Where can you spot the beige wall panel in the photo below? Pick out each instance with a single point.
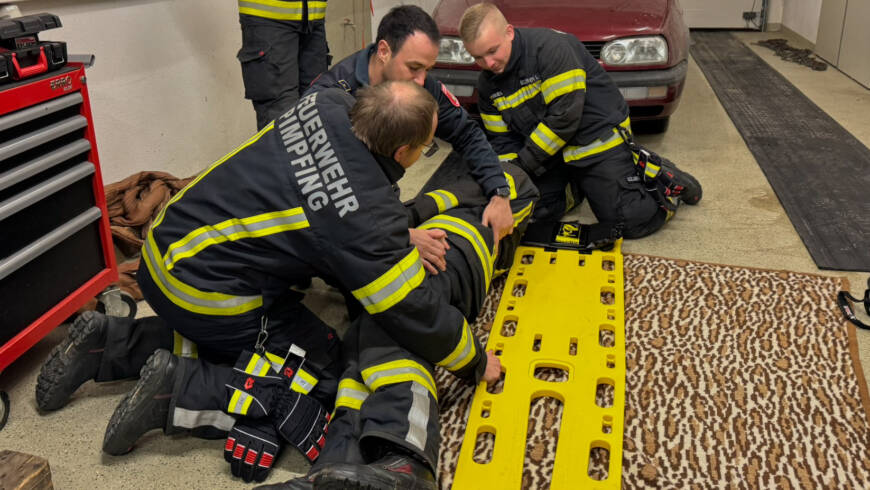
(854, 57)
(830, 33)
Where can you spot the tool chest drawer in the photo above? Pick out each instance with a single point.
(55, 245)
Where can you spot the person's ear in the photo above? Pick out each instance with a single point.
(509, 32)
(401, 155)
(384, 51)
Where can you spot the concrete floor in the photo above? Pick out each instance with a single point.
(739, 222)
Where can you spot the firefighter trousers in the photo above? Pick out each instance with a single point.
(388, 394)
(210, 345)
(280, 59)
(615, 192)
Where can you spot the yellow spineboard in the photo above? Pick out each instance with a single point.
(562, 304)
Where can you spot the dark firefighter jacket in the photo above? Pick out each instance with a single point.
(304, 197)
(553, 103)
(299, 10)
(454, 125)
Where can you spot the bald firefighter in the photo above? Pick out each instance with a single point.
(313, 193)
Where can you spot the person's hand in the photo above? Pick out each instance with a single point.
(432, 245)
(499, 217)
(493, 368)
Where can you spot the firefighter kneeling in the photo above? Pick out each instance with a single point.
(310, 195)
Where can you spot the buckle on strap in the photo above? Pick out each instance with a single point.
(844, 301)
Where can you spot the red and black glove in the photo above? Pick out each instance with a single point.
(251, 449)
(301, 421)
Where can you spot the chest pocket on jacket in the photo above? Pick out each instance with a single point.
(524, 116)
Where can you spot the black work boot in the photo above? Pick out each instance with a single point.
(72, 362)
(146, 407)
(686, 187)
(301, 483)
(390, 472)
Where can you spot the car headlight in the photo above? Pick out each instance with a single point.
(636, 51)
(451, 50)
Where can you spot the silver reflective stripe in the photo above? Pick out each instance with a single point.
(304, 386)
(161, 274)
(573, 151)
(570, 81)
(418, 417)
(345, 392)
(258, 367)
(549, 144)
(518, 97)
(269, 8)
(469, 345)
(228, 232)
(240, 402)
(473, 236)
(191, 419)
(375, 376)
(393, 287)
(187, 347)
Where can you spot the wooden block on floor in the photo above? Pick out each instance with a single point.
(19, 471)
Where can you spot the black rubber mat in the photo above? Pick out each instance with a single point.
(819, 171)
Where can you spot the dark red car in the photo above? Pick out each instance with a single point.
(643, 45)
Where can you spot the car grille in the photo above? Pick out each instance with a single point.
(594, 48)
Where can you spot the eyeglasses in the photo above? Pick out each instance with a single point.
(431, 147)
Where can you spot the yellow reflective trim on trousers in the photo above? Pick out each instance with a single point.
(392, 286)
(398, 371)
(463, 353)
(518, 97)
(351, 394)
(183, 347)
(523, 213)
(494, 123)
(232, 230)
(470, 233)
(563, 83)
(511, 184)
(504, 157)
(546, 139)
(280, 10)
(573, 153)
(443, 199)
(188, 297)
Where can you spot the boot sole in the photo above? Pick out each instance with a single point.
(50, 394)
(132, 410)
(362, 477)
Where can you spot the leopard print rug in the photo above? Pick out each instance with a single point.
(736, 378)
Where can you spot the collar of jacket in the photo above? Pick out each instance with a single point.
(391, 168)
(361, 69)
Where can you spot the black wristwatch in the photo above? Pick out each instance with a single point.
(503, 191)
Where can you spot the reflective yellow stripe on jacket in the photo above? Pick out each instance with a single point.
(392, 286)
(463, 353)
(506, 157)
(443, 199)
(280, 10)
(518, 97)
(494, 123)
(234, 229)
(563, 83)
(546, 139)
(573, 153)
(471, 234)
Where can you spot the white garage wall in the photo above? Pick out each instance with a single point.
(166, 89)
(802, 17)
(381, 7)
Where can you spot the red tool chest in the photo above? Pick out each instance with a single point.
(56, 248)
